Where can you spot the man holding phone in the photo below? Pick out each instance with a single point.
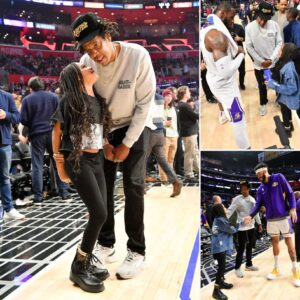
(263, 42)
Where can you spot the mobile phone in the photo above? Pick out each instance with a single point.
(267, 74)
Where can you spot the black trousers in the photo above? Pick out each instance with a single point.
(286, 115)
(206, 89)
(179, 158)
(221, 258)
(242, 72)
(297, 240)
(134, 168)
(259, 74)
(91, 187)
(246, 239)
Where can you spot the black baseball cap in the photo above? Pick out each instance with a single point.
(265, 11)
(86, 27)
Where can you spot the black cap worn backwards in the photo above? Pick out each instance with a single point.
(265, 11)
(85, 28)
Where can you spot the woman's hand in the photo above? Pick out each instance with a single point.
(62, 173)
(109, 152)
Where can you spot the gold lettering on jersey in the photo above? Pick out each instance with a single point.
(274, 184)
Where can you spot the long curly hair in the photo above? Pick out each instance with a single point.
(78, 110)
(289, 52)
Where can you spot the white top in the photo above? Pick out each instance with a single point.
(263, 43)
(128, 84)
(171, 131)
(96, 139)
(243, 207)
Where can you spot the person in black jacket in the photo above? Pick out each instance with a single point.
(36, 110)
(189, 128)
(238, 34)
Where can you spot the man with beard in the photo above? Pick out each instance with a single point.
(223, 58)
(277, 196)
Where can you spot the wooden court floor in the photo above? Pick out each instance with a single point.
(254, 285)
(261, 130)
(171, 226)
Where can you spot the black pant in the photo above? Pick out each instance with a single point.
(134, 168)
(91, 187)
(206, 89)
(297, 240)
(221, 258)
(286, 115)
(242, 72)
(259, 74)
(246, 240)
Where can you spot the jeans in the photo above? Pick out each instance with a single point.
(221, 258)
(170, 151)
(134, 169)
(156, 146)
(91, 187)
(246, 240)
(40, 143)
(259, 74)
(5, 187)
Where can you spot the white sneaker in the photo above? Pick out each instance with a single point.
(105, 254)
(262, 110)
(296, 277)
(13, 214)
(239, 273)
(132, 265)
(274, 274)
(20, 202)
(222, 117)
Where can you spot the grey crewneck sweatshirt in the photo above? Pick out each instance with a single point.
(263, 43)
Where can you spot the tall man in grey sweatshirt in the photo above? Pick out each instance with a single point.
(263, 41)
(127, 82)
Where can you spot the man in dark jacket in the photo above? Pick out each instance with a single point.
(292, 31)
(9, 115)
(189, 128)
(37, 109)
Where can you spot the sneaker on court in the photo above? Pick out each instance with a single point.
(222, 117)
(132, 265)
(262, 110)
(251, 268)
(239, 273)
(13, 214)
(105, 254)
(66, 198)
(273, 275)
(296, 277)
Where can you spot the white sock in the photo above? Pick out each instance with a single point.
(276, 265)
(240, 134)
(295, 265)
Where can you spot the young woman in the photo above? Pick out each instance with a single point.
(81, 123)
(171, 136)
(221, 242)
(286, 83)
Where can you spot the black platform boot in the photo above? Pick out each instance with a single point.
(82, 273)
(97, 268)
(217, 293)
(225, 285)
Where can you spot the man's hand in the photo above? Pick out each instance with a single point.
(267, 63)
(247, 220)
(121, 153)
(59, 158)
(109, 152)
(23, 139)
(202, 66)
(293, 215)
(238, 38)
(240, 50)
(2, 114)
(259, 228)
